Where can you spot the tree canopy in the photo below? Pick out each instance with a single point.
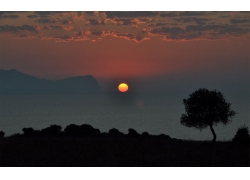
(206, 108)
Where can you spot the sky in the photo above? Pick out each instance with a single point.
(152, 51)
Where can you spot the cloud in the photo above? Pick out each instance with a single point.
(47, 13)
(130, 21)
(130, 14)
(30, 28)
(96, 33)
(79, 33)
(197, 32)
(45, 21)
(167, 30)
(129, 36)
(65, 21)
(168, 14)
(82, 38)
(65, 38)
(192, 19)
(219, 29)
(64, 27)
(158, 24)
(167, 25)
(89, 12)
(32, 16)
(95, 22)
(24, 36)
(192, 13)
(12, 16)
(237, 21)
(120, 21)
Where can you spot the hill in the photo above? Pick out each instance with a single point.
(16, 82)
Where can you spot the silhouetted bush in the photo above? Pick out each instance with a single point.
(15, 135)
(242, 136)
(133, 133)
(115, 132)
(71, 130)
(164, 136)
(88, 130)
(145, 134)
(83, 130)
(30, 132)
(2, 134)
(53, 130)
(104, 134)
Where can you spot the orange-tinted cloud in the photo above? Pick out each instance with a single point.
(129, 25)
(130, 14)
(25, 27)
(45, 21)
(12, 16)
(95, 22)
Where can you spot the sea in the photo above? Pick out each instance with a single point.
(152, 113)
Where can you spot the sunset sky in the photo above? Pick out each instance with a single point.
(151, 51)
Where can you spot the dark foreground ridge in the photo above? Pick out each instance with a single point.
(15, 82)
(85, 146)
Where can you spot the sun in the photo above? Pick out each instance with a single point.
(123, 87)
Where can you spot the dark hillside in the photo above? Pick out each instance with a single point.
(15, 82)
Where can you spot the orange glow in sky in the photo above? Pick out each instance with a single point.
(126, 46)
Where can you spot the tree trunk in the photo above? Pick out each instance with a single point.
(214, 139)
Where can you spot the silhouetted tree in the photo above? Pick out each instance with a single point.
(164, 136)
(206, 108)
(145, 134)
(83, 130)
(132, 133)
(115, 132)
(29, 132)
(71, 130)
(88, 130)
(2, 134)
(242, 136)
(53, 130)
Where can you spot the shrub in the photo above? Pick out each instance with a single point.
(115, 132)
(145, 134)
(2, 134)
(80, 131)
(242, 136)
(164, 136)
(29, 132)
(53, 130)
(132, 133)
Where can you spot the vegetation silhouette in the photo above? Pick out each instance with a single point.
(133, 133)
(30, 132)
(242, 137)
(81, 131)
(206, 108)
(53, 130)
(2, 134)
(145, 134)
(115, 132)
(83, 145)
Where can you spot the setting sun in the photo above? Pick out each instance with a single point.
(123, 87)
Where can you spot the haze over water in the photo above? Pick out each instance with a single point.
(154, 113)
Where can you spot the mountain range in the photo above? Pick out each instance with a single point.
(16, 82)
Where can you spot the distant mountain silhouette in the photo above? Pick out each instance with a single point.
(15, 82)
